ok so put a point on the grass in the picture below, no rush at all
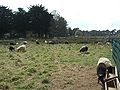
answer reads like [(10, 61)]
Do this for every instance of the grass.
[(33, 68)]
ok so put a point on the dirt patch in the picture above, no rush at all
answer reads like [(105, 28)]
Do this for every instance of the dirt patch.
[(75, 78)]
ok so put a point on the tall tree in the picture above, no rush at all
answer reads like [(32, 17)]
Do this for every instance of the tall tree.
[(58, 26), (20, 22), (6, 20), (39, 20)]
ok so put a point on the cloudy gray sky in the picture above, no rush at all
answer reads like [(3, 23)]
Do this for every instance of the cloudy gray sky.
[(83, 14)]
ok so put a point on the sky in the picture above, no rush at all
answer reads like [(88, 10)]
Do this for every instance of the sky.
[(82, 14)]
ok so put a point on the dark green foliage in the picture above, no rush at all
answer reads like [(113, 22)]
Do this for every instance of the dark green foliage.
[(6, 20), (19, 23), (38, 20), (58, 26)]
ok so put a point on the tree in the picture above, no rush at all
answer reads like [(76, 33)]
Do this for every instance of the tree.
[(118, 34), (69, 30), (39, 20), (20, 22), (58, 25), (6, 20)]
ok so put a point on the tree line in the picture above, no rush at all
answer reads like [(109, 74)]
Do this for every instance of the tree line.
[(38, 22)]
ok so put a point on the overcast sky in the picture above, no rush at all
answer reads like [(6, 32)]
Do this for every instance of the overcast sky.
[(83, 14)]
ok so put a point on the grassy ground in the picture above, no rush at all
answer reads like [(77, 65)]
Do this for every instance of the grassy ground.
[(34, 69)]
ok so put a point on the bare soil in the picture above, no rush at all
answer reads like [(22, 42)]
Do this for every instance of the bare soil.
[(75, 78)]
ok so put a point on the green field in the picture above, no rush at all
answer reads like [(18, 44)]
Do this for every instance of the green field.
[(32, 70)]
